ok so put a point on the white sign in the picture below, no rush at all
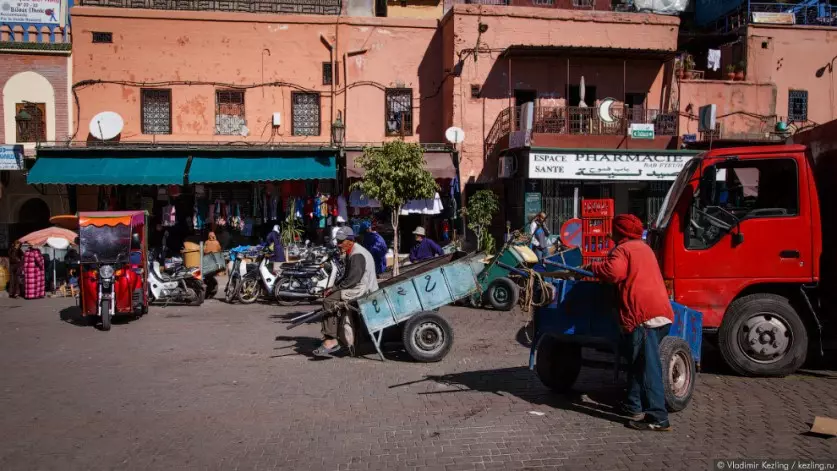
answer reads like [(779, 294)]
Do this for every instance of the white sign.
[(30, 11), (625, 166), (642, 131), (706, 118), (11, 157)]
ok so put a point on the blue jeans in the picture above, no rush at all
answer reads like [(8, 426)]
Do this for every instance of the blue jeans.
[(645, 374)]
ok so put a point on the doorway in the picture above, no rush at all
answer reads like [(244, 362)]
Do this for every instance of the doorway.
[(522, 97)]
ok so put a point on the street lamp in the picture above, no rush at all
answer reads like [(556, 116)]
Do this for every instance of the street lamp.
[(338, 129), (23, 120)]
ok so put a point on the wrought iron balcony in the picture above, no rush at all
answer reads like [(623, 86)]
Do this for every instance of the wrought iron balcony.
[(600, 5), (302, 7)]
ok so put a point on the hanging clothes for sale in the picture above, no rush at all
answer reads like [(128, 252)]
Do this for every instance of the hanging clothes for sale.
[(426, 207), (169, 215), (342, 208), (34, 274)]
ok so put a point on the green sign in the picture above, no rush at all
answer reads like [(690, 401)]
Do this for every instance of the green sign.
[(531, 207), (642, 131)]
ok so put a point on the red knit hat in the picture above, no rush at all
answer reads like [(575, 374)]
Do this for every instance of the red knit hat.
[(627, 226)]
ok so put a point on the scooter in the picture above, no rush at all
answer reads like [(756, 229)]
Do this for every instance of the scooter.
[(184, 286), (299, 283), (256, 282)]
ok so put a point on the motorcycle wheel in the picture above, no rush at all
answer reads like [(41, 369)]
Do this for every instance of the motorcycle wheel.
[(105, 307), (250, 290), (284, 284), (232, 290)]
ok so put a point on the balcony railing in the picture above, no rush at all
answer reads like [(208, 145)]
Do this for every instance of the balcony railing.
[(557, 4), (303, 7), (803, 12)]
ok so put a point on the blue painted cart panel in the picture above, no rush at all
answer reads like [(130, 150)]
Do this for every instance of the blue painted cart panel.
[(404, 298), (376, 311), (432, 290), (460, 279)]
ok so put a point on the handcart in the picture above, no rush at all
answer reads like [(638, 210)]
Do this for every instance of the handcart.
[(584, 314)]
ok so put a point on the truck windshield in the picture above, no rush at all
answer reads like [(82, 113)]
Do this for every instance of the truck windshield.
[(674, 193)]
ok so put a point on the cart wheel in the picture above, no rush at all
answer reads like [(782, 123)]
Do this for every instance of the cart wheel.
[(427, 337), (250, 290), (558, 364), (503, 294), (105, 306), (679, 372)]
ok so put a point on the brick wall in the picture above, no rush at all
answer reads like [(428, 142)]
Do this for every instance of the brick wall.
[(51, 67)]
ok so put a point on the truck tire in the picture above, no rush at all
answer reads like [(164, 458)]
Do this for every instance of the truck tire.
[(762, 335), (503, 294), (558, 364), (679, 372), (427, 337)]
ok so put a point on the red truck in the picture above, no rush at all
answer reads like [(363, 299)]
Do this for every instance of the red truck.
[(740, 238)]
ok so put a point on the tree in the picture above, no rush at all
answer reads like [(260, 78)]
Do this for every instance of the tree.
[(394, 174), (482, 206)]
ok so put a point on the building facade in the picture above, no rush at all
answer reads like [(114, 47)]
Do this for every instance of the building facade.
[(35, 78)]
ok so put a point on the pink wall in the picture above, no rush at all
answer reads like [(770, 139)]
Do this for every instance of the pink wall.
[(543, 27), (740, 106), (790, 57), (229, 48)]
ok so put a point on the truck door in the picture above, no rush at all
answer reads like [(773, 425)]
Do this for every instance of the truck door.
[(748, 223)]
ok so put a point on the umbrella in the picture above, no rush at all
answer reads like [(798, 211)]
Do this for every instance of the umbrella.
[(581, 92), (67, 221), (39, 238)]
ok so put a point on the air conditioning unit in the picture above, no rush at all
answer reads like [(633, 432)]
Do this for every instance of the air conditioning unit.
[(506, 168)]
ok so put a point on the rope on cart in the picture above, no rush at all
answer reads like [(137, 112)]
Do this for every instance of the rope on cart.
[(528, 300)]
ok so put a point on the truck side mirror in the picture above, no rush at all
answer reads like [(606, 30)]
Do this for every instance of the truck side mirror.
[(737, 239)]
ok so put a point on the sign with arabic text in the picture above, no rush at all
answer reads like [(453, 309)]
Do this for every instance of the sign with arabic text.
[(30, 11), (11, 157), (625, 166)]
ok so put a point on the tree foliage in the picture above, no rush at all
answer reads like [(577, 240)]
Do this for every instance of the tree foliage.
[(482, 206), (394, 174)]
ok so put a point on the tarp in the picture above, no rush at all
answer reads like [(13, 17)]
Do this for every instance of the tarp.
[(108, 171), (261, 169)]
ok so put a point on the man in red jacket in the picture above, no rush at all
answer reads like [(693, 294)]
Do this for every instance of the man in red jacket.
[(645, 316)]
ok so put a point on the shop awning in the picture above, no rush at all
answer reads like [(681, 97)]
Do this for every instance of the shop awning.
[(108, 171), (207, 169), (440, 164)]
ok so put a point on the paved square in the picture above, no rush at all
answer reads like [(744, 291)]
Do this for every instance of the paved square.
[(225, 387)]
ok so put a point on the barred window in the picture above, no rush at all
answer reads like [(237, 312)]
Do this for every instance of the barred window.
[(102, 37), (229, 112), (305, 114), (798, 105), (156, 111), (399, 112), (30, 120), (328, 73)]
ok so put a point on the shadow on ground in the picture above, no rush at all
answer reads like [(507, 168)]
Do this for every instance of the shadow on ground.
[(599, 402), (72, 315)]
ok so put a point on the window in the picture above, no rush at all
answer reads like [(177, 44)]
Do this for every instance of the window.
[(156, 111), (331, 74), (305, 115), (733, 192), (102, 37), (30, 120), (399, 112), (798, 105), (475, 91), (229, 113)]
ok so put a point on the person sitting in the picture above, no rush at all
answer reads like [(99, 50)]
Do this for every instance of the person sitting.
[(375, 244), (212, 245), (425, 248), (359, 279)]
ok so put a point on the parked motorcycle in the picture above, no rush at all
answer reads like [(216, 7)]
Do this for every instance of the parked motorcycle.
[(304, 282), (257, 282), (184, 285), (237, 274)]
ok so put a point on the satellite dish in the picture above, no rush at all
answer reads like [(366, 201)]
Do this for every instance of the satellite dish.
[(605, 113), (455, 135), (106, 125)]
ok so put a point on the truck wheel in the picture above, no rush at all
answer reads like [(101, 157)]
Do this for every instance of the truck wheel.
[(558, 364), (762, 335), (679, 372), (503, 294), (427, 337), (105, 307)]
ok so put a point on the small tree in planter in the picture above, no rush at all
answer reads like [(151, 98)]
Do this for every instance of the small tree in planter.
[(482, 207), (394, 174), (291, 232), (739, 72), (730, 72)]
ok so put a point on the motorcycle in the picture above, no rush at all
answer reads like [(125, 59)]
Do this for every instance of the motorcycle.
[(257, 282), (184, 285), (236, 278), (303, 282), (112, 252)]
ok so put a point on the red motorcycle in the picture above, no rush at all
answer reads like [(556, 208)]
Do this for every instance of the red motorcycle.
[(114, 253)]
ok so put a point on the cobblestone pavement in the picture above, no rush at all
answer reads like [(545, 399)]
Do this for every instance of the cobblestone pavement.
[(225, 387)]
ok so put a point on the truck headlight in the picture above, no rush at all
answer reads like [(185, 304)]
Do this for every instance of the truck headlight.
[(106, 271)]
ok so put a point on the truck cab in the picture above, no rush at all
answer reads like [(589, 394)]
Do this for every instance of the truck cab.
[(739, 238)]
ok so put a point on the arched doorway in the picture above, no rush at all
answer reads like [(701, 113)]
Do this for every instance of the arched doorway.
[(33, 215)]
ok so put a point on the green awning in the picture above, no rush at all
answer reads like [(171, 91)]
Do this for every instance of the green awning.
[(207, 169), (108, 170)]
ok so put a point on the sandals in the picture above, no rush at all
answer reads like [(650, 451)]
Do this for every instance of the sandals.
[(322, 351)]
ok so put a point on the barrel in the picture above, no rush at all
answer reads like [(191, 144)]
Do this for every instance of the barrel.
[(191, 254)]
